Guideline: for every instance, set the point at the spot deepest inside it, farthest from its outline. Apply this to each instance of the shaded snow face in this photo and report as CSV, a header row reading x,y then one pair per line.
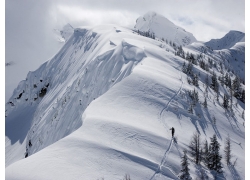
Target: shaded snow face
x,y
163,28
62,88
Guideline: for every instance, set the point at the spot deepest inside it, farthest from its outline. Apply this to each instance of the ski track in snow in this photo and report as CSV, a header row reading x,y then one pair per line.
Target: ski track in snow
x,y
164,159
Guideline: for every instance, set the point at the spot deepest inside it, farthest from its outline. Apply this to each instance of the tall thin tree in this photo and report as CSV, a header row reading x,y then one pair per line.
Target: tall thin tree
x,y
228,150
195,147
184,167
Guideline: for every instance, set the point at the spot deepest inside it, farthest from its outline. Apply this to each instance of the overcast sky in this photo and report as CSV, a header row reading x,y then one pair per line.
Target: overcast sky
x,y
29,24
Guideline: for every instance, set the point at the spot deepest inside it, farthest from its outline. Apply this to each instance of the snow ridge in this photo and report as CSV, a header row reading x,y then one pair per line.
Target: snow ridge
x,y
69,86
228,41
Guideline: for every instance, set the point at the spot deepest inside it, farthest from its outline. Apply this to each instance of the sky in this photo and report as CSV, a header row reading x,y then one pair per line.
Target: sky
x,y
29,25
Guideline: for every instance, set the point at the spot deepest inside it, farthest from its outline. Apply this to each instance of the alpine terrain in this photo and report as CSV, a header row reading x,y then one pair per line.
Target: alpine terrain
x,y
103,107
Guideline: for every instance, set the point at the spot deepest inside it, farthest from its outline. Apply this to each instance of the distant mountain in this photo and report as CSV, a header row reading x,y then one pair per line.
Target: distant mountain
x,y
163,28
228,41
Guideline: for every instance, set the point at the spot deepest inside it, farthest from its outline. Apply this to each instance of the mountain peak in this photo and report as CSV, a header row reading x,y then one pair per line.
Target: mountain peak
x,y
163,28
227,41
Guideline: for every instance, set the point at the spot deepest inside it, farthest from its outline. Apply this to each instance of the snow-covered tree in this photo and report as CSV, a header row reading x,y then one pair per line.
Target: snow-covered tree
x,y
189,68
225,101
184,68
205,153
195,147
184,167
195,80
237,87
205,103
243,96
214,83
214,158
228,150
194,95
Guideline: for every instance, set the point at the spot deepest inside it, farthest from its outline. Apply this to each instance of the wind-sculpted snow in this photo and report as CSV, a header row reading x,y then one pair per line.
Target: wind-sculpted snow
x,y
72,79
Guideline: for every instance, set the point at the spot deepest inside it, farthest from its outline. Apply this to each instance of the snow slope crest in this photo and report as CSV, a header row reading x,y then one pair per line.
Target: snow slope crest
x,y
227,41
163,28
52,99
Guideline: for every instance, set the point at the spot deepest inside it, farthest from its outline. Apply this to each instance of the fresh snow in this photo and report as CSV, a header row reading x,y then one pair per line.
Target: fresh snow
x,y
228,41
111,98
163,28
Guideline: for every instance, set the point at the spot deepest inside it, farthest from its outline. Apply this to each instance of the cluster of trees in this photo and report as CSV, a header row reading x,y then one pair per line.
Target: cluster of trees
x,y
205,153
146,34
194,96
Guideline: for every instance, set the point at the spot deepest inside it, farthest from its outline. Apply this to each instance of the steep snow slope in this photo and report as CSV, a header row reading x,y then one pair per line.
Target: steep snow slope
x,y
230,60
17,66
228,41
163,28
60,90
126,129
64,34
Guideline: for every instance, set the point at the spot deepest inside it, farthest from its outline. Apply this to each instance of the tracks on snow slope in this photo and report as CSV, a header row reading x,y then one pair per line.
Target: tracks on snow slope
x,y
161,168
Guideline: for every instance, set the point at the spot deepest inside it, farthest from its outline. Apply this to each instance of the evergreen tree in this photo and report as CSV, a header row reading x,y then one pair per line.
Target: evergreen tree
x,y
191,110
184,167
237,87
205,153
189,68
184,68
222,80
214,158
227,150
226,79
214,83
195,80
195,147
243,95
231,99
225,101
205,103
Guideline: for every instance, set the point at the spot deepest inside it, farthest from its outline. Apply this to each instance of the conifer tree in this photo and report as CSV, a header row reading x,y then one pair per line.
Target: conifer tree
x,y
184,167
214,83
195,80
205,103
225,101
189,68
243,96
205,153
228,150
184,68
214,158
195,147
236,87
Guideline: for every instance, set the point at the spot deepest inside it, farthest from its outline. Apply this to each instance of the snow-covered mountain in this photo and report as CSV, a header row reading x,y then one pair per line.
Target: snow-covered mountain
x,y
102,107
16,68
64,34
228,41
163,28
